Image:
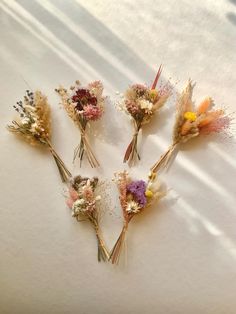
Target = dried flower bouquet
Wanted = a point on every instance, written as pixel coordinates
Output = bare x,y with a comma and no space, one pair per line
82,200
34,125
191,122
83,105
135,197
141,103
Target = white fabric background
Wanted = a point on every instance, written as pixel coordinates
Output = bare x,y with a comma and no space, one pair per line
182,253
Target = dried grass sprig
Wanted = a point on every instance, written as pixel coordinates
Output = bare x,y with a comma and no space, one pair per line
135,197
141,103
82,201
83,105
34,125
191,122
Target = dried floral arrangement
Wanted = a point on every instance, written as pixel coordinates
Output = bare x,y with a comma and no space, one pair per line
141,103
83,105
82,200
34,125
191,122
135,197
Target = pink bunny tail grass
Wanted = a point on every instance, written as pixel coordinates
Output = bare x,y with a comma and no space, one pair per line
218,126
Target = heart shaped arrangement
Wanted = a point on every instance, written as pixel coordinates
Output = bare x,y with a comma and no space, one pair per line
86,104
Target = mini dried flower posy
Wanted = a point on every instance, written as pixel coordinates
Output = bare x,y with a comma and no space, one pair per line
135,196
83,105
141,103
191,122
34,125
82,200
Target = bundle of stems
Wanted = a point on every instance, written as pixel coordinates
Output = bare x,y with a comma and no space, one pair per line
84,146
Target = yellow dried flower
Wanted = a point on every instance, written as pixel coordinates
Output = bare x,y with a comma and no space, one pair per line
191,116
153,93
149,193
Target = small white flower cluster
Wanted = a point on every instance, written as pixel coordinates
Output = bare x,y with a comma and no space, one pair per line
145,104
132,207
30,121
82,206
79,207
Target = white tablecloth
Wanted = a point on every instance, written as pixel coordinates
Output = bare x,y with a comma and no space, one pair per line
182,253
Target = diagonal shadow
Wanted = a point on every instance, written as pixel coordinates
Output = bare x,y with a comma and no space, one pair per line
93,56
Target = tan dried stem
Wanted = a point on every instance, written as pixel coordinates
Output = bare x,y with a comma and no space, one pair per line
103,253
132,151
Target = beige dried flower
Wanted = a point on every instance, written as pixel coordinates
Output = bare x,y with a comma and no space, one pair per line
34,125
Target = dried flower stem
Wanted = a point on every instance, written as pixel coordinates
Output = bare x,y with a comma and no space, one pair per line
132,151
85,147
165,158
64,172
117,249
103,254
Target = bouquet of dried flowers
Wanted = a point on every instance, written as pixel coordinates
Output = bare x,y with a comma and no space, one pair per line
191,122
83,105
34,125
135,197
141,103
82,201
